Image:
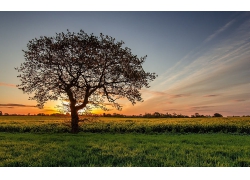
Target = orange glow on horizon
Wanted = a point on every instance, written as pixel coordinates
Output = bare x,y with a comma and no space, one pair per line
49,108
28,110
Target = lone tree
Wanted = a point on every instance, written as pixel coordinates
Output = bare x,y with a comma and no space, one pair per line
86,70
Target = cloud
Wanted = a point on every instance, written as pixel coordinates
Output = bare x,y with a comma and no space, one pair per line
239,100
162,95
172,110
211,95
209,77
15,105
154,93
202,107
208,58
226,26
179,95
222,65
169,102
8,85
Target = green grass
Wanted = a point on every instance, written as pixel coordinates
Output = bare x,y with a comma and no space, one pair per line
139,142
137,150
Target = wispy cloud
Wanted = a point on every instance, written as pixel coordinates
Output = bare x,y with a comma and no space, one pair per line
220,68
211,95
10,105
230,58
202,107
226,26
155,93
179,95
163,94
239,100
6,84
171,110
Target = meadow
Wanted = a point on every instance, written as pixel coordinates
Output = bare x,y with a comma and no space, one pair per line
52,124
138,142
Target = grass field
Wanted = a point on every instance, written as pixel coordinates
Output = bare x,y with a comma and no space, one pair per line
238,125
99,150
45,141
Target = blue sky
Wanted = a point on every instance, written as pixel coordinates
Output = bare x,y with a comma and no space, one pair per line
202,58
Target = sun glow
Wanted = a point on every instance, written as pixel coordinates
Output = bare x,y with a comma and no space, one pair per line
63,108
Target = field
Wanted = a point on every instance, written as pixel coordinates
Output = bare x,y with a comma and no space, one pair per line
50,124
199,142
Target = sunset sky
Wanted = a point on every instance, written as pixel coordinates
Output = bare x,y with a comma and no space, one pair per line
202,58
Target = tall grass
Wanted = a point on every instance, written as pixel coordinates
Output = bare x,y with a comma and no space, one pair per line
44,124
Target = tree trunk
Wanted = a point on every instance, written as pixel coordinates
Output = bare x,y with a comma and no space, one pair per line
74,121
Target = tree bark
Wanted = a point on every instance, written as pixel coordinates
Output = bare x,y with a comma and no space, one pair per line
74,121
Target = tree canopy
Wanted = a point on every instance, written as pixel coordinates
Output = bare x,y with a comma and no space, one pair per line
84,69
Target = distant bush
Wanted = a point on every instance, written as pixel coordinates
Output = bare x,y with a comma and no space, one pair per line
217,115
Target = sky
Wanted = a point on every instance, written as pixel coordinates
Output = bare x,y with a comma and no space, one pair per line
202,59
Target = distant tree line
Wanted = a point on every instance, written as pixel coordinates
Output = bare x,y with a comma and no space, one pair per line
146,115
167,115
161,115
